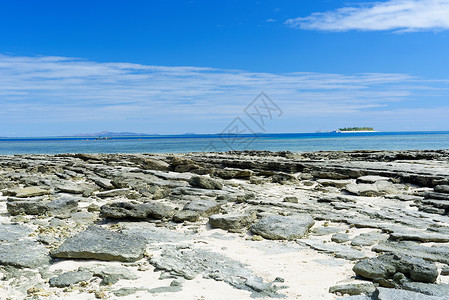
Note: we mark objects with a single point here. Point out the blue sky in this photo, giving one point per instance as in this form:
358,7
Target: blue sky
172,67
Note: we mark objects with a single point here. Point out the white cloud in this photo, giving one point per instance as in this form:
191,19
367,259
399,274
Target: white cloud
399,15
59,90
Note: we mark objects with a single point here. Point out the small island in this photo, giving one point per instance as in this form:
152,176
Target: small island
358,129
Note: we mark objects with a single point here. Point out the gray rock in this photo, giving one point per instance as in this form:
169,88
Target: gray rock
445,271
387,265
340,251
120,210
354,289
103,183
24,254
231,222
26,192
395,294
422,236
70,188
26,207
335,183
435,253
436,290
368,239
325,230
442,189
114,193
126,291
13,232
203,207
205,183
186,215
371,179
98,243
69,278
283,228
62,207
376,189
291,199
189,263
340,238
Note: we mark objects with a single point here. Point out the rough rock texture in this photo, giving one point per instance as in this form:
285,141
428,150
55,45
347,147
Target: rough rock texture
69,278
189,263
387,265
283,228
102,244
205,183
231,222
384,212
121,210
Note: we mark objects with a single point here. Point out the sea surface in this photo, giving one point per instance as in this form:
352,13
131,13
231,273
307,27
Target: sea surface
295,142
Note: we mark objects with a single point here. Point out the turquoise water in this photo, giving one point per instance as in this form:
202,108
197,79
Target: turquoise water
296,142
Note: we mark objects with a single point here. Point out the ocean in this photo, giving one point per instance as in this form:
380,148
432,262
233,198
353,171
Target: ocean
295,142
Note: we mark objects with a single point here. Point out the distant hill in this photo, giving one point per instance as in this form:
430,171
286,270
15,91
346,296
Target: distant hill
112,134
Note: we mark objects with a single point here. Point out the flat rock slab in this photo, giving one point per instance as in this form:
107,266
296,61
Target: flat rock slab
422,236
231,222
283,228
371,179
28,192
13,232
203,207
354,288
387,265
189,263
69,278
24,254
98,243
394,294
435,253
205,183
340,251
121,210
438,290
379,188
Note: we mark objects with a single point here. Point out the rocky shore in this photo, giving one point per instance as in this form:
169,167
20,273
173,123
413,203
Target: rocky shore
253,224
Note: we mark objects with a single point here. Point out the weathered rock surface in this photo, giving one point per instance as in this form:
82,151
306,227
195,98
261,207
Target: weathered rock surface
102,244
387,265
69,278
189,263
283,228
403,226
205,183
232,222
121,210
354,289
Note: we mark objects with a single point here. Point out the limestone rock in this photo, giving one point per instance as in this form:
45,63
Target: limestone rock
283,228
98,243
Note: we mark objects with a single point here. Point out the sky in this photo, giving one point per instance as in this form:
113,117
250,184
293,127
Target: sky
172,67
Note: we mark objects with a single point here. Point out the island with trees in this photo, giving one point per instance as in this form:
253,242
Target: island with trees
349,129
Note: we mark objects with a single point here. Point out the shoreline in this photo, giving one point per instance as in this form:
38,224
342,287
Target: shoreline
234,225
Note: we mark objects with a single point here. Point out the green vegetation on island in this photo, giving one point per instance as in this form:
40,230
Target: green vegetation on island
356,129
